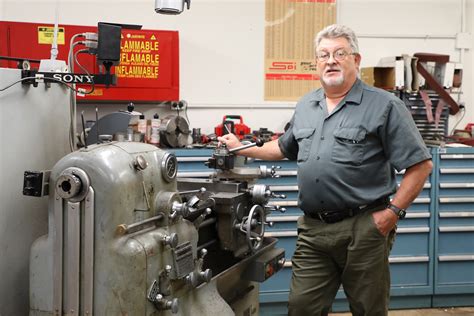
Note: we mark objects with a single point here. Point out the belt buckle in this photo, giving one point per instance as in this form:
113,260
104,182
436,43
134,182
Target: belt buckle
329,217
334,217
321,218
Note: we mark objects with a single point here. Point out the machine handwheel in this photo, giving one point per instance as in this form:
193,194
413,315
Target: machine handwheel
255,227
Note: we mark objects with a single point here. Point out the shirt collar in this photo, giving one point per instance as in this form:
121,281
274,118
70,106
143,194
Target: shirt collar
354,96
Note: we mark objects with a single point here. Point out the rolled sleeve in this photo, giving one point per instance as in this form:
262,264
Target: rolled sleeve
287,142
401,139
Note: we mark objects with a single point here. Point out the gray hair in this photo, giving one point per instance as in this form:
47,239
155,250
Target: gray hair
336,31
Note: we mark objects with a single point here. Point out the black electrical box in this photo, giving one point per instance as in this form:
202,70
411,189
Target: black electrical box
108,47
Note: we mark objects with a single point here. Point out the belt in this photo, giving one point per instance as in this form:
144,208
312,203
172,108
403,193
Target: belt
330,217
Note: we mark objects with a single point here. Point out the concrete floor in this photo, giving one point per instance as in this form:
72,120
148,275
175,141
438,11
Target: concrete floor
462,311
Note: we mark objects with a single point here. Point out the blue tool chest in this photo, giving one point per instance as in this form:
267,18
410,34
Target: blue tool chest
432,261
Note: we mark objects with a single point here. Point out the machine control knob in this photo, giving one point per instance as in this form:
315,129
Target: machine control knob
192,279
206,275
105,138
281,262
171,304
196,278
140,163
280,209
171,240
259,142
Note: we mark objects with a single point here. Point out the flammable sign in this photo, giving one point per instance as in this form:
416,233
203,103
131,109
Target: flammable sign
139,58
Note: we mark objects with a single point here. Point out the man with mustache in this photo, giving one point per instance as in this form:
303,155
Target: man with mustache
348,139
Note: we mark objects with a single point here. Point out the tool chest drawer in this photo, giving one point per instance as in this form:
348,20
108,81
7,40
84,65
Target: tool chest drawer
454,235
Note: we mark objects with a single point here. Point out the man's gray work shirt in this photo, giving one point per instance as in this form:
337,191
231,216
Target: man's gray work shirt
348,158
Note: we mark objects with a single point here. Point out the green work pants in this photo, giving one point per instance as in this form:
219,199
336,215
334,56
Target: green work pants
351,252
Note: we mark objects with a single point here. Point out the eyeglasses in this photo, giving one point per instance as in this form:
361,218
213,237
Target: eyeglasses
338,55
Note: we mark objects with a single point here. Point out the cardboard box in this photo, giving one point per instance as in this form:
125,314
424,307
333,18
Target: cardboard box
380,77
398,64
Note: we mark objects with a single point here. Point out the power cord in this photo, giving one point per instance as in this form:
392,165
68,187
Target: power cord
463,109
90,38
36,78
84,69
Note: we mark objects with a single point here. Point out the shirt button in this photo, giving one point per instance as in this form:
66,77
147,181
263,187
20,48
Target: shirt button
322,202
317,180
322,137
317,158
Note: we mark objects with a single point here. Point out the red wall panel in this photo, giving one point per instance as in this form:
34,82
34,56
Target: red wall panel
148,69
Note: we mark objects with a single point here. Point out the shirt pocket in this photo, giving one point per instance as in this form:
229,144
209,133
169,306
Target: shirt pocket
349,145
304,137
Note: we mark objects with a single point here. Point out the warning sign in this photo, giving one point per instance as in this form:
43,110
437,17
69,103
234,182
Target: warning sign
139,58
46,35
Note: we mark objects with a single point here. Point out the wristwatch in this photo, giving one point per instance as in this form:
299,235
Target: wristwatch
400,212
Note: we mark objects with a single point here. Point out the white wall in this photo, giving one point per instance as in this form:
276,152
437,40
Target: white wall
222,46
387,28
469,68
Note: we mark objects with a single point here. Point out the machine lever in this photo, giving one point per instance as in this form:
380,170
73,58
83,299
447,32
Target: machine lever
201,190
273,171
278,196
197,207
258,142
275,208
124,229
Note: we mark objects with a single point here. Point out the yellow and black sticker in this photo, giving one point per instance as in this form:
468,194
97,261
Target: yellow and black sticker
46,35
139,58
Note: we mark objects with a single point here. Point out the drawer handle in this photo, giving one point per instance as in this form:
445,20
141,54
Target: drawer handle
288,264
286,233
408,259
457,156
277,219
456,170
407,230
456,185
457,200
455,214
456,229
456,258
